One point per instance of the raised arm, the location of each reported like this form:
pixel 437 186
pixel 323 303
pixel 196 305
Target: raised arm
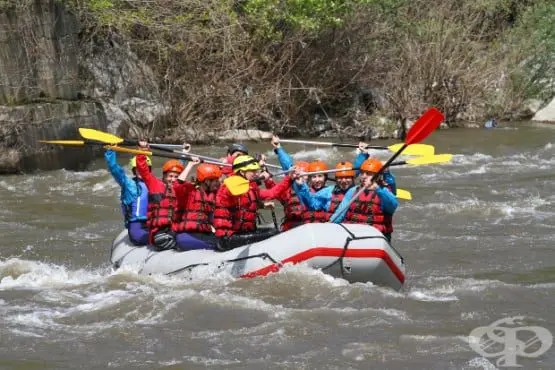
pixel 277 191
pixel 284 159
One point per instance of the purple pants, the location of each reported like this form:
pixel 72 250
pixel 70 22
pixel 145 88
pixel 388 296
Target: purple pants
pixel 138 233
pixel 188 242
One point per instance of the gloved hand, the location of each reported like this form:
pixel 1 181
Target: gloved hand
pixel 165 240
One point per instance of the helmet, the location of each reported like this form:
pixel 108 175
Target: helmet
pixel 371 165
pixel 236 147
pixel 245 163
pixel 133 162
pixel 303 165
pixel 348 170
pixel 207 171
pixel 173 165
pixel 317 166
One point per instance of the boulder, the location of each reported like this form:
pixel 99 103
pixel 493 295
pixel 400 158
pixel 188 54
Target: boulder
pixel 546 114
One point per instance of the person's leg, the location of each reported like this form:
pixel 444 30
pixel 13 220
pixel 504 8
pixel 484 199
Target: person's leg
pixel 187 242
pixel 238 240
pixel 138 233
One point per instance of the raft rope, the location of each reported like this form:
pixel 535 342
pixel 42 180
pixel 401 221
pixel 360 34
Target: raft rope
pixel 348 241
pixel 264 256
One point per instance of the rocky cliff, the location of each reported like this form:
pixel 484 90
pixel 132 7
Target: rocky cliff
pixel 51 84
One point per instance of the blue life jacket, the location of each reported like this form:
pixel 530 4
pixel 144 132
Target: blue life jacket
pixel 137 210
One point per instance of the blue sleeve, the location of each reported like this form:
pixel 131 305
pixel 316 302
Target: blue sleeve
pixel 128 186
pixel 284 159
pixel 339 214
pixel 388 202
pixel 390 180
pixel 321 200
pixel 361 157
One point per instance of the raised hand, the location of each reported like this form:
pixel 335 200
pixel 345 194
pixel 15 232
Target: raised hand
pixel 275 141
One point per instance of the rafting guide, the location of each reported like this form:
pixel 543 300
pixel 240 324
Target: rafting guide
pixel 506 339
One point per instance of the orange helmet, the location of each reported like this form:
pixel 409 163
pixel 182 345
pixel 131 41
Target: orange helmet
pixel 317 166
pixel 303 165
pixel 173 165
pixel 207 171
pixel 348 170
pixel 371 165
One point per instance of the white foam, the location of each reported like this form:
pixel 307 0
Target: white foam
pixel 425 296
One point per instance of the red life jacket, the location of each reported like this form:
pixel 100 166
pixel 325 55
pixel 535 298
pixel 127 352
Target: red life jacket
pixel 237 216
pixel 366 209
pixel 198 212
pixel 293 210
pixel 337 196
pixel 162 209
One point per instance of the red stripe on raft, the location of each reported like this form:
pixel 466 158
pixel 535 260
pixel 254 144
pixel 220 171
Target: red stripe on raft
pixel 331 252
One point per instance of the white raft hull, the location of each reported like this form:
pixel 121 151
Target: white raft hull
pixel 357 253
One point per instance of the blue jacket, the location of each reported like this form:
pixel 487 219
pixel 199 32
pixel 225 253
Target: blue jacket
pixel 284 158
pixel 317 201
pixel 388 203
pixel 321 200
pixel 134 194
pixel 387 175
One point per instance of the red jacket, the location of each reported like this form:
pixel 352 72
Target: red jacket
pixel 293 209
pixel 235 214
pixel 162 203
pixel 196 208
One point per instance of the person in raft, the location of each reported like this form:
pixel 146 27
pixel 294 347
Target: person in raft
pixel 322 203
pixel 163 211
pixel 233 151
pixel 133 197
pixel 196 202
pixel 375 206
pixel 235 215
pixel 363 155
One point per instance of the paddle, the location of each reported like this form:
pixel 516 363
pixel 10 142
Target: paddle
pixel 106 138
pixel 414 149
pixel 421 129
pixel 154 154
pixel 240 184
pixel 418 161
pixel 177 146
pixel 70 142
pixel 237 185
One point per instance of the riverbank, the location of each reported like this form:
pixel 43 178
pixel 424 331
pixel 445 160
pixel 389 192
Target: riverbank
pixel 166 73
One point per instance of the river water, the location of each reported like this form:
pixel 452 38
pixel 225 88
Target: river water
pixel 478 240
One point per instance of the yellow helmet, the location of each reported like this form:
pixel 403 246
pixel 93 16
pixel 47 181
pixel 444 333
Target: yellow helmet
pixel 245 163
pixel 133 162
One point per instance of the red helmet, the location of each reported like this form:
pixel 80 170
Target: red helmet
pixel 303 165
pixel 173 165
pixel 371 165
pixel 317 166
pixel 207 171
pixel 347 168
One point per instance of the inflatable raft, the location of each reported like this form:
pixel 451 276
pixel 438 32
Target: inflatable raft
pixel 357 253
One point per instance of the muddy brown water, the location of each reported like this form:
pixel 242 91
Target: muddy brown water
pixel 478 240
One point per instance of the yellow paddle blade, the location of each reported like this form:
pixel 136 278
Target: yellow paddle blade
pixel 404 194
pixel 63 142
pixel 237 185
pixel 430 159
pixel 414 149
pixel 127 150
pixel 90 134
